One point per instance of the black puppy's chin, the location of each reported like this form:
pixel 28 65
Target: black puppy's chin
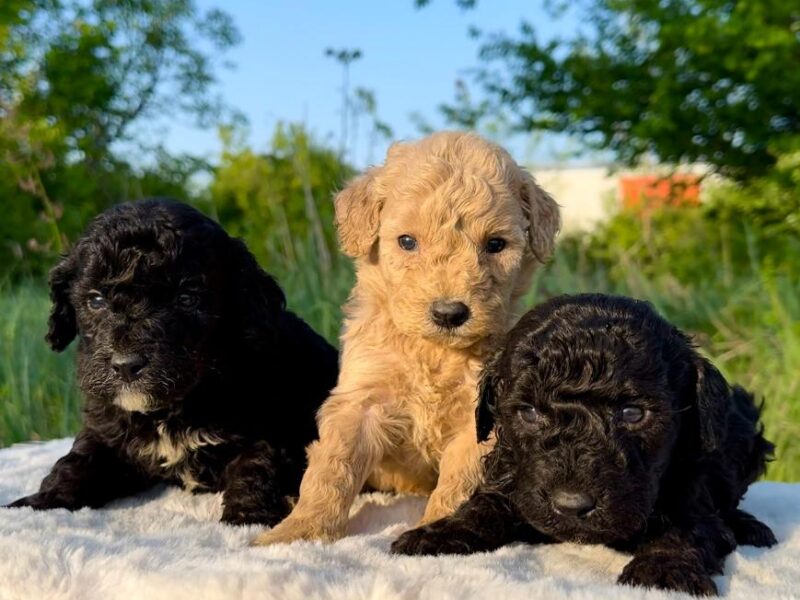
pixel 133 400
pixel 150 400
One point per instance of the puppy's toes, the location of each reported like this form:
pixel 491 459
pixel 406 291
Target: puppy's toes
pixel 292 530
pixel 38 501
pixel 276 535
pixel 749 531
pixel 19 503
pixel 435 539
pixel 234 516
pixel 253 509
pixel 679 574
pixel 415 542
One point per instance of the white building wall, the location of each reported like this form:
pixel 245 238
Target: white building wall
pixel 589 195
pixel 584 193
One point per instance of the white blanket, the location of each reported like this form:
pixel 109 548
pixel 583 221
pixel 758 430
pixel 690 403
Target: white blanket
pixel 169 544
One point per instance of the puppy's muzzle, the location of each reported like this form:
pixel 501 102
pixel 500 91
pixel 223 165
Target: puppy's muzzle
pixel 449 314
pixel 573 504
pixel 128 367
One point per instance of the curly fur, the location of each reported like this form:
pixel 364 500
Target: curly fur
pixel 226 401
pixel 402 414
pixel 666 488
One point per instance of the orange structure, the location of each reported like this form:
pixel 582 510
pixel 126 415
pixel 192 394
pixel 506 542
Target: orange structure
pixel 643 193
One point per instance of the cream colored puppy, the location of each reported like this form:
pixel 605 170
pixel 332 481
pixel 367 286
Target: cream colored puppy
pixel 445 236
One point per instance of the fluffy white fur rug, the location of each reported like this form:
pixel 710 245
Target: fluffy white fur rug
pixel 167 543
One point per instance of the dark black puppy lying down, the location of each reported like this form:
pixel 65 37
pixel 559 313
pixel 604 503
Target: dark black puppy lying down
pixel 193 370
pixel 611 429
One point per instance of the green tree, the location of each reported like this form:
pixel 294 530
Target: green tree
pixel 80 83
pixel 709 81
pixel 97 68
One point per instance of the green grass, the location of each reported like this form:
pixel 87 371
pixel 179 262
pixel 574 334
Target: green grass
pixel 748 324
pixel 38 396
pixel 316 294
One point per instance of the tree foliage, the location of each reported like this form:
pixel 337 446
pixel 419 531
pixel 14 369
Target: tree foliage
pixel 81 83
pixel 96 68
pixel 769 204
pixel 713 81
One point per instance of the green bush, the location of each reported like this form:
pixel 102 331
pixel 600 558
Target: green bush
pixel 277 198
pixel 769 204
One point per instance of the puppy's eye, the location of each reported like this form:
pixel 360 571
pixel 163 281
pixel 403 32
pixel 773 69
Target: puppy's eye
pixel 632 414
pixel 95 301
pixel 407 243
pixel 528 414
pixel 188 300
pixel 495 245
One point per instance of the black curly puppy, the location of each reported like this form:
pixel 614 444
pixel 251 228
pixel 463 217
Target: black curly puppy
pixel 193 370
pixel 612 430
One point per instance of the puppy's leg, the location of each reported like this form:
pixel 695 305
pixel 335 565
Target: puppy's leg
pixel 256 485
pixel 682 559
pixel 749 531
pixel 484 522
pixel 353 438
pixel 92 474
pixel 459 475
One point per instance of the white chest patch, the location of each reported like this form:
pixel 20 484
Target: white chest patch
pixel 171 449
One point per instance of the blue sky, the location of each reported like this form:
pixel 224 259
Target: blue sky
pixel 411 59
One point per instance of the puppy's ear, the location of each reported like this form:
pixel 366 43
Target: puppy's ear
pixel 258 300
pixel 713 402
pixel 488 390
pixel 544 217
pixel 358 209
pixel 62 325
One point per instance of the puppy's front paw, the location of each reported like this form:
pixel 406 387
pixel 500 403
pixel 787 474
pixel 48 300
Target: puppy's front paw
pixel 293 529
pixel 238 515
pixel 676 573
pixel 749 531
pixel 40 501
pixel 437 538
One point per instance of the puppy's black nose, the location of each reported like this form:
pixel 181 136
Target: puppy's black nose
pixel 576 504
pixel 449 314
pixel 128 366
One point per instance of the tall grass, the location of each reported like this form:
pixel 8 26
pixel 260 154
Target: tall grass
pixel 38 396
pixel 315 292
pixel 748 324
